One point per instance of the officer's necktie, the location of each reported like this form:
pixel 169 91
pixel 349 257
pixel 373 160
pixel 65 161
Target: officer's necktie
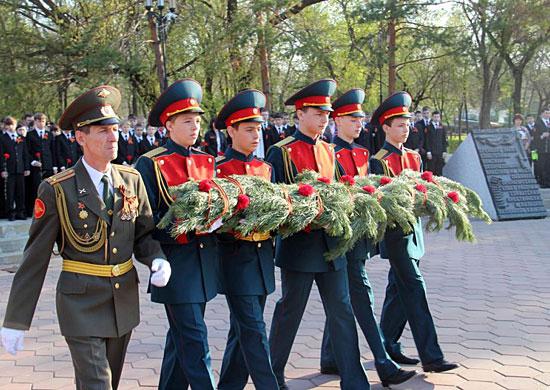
pixel 107 196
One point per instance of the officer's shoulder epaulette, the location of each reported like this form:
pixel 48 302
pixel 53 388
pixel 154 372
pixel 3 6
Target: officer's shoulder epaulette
pixel 155 152
pixel 125 168
pixel 284 141
pixel 381 154
pixel 61 176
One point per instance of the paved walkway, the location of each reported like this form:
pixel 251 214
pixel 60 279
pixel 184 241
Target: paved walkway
pixel 491 303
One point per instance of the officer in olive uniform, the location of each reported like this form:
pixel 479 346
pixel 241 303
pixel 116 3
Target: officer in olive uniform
pixel 406 292
pixel 193 256
pixel 300 256
pixel 246 262
pixel 353 160
pixel 99 215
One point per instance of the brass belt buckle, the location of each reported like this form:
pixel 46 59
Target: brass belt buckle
pixel 116 271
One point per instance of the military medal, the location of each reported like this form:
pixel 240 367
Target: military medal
pixel 82 214
pixel 129 209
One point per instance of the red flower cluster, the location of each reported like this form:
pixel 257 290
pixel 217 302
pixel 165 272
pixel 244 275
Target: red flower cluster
pixel 38 154
pixel 305 190
pixel 369 189
pixel 385 180
pixel 129 157
pixel 69 161
pixel 428 176
pixel 205 185
pixel 243 201
pixel 324 179
pixel 421 187
pixel 7 156
pixel 347 179
pixel 453 195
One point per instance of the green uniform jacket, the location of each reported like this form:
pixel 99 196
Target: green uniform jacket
pixel 86 305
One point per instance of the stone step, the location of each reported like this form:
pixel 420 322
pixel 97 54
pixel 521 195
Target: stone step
pixel 545 192
pixel 13 244
pixel 15 228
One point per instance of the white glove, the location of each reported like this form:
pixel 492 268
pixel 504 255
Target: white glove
pixel 35 163
pixel 216 225
pixel 429 155
pixel 12 339
pixel 161 272
pixel 54 170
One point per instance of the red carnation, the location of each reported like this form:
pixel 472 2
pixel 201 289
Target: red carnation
pixel 37 154
pixel 324 179
pixel 347 179
pixel 129 157
pixel 205 185
pixel 243 201
pixel 428 176
pixel 7 156
pixel 69 161
pixel 369 189
pixel 305 190
pixel 421 187
pixel 385 180
pixel 307 229
pixel 453 195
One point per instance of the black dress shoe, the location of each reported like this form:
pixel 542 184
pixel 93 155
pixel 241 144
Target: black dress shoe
pixel 11 218
pixel 440 366
pixel 20 217
pixel 402 359
pixel 330 370
pixel 399 377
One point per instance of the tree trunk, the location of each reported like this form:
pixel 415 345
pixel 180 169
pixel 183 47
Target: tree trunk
pixel 264 61
pixel 517 74
pixel 392 47
pixel 391 55
pixel 159 55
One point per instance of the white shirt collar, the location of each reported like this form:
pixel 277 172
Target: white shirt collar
pixel 96 176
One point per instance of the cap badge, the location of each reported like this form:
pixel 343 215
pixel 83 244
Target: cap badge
pixel 103 93
pixel 107 111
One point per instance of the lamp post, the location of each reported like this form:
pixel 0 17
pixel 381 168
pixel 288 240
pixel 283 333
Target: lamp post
pixel 159 22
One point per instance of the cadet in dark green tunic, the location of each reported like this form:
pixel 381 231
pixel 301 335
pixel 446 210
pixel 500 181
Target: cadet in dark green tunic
pixel 99 215
pixel 246 262
pixel 193 256
pixel 353 160
pixel 406 292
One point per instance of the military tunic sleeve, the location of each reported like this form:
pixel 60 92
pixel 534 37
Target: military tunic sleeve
pixel 275 158
pixel 29 278
pixel 375 167
pixel 146 249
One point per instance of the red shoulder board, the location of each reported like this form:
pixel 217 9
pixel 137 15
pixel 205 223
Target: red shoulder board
pixel 177 169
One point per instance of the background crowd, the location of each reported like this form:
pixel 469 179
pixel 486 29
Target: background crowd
pixel 33 148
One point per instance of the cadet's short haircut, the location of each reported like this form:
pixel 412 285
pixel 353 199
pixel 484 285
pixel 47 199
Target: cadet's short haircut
pixel 426 108
pixel 418 112
pixel 40 115
pixel 436 113
pixel 9 120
